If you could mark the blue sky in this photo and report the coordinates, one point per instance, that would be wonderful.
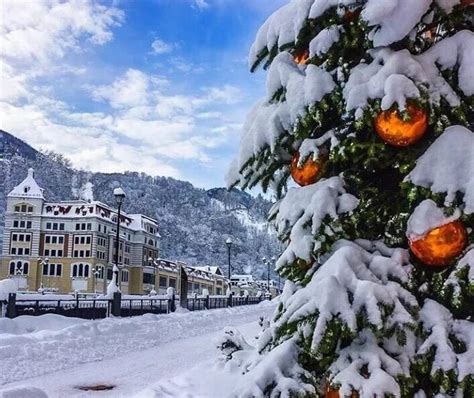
(158, 86)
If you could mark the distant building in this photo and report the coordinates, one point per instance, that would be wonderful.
(168, 274)
(77, 237)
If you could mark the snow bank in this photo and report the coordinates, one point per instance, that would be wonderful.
(26, 324)
(7, 286)
(446, 167)
(33, 346)
(23, 392)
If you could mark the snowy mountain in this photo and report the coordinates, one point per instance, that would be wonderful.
(194, 223)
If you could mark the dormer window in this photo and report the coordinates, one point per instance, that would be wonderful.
(26, 189)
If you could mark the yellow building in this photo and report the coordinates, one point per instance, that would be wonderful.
(70, 246)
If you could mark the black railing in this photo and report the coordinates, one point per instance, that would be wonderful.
(89, 308)
(84, 308)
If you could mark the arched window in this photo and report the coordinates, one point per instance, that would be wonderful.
(19, 268)
(80, 270)
(125, 276)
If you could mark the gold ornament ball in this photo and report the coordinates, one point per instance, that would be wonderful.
(391, 128)
(309, 172)
(440, 245)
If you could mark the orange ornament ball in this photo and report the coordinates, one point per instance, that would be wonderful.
(309, 172)
(351, 14)
(390, 126)
(333, 393)
(440, 245)
(301, 57)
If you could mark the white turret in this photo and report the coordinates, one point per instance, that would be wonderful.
(28, 188)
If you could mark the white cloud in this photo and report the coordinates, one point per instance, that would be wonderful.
(144, 124)
(130, 90)
(201, 4)
(161, 47)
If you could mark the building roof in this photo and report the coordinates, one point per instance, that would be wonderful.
(28, 188)
(212, 269)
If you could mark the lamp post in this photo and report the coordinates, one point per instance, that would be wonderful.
(119, 198)
(267, 263)
(279, 277)
(228, 242)
(96, 273)
(152, 263)
(43, 262)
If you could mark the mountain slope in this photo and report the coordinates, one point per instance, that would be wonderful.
(194, 223)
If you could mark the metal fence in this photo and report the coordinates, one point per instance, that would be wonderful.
(89, 308)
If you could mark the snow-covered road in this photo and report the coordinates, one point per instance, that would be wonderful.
(141, 356)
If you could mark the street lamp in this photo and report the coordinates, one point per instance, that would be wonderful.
(279, 276)
(267, 262)
(96, 273)
(44, 263)
(152, 263)
(119, 198)
(228, 242)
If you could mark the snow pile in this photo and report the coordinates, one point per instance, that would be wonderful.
(395, 76)
(7, 286)
(23, 392)
(363, 283)
(324, 40)
(446, 168)
(269, 120)
(439, 323)
(392, 20)
(453, 278)
(54, 342)
(26, 324)
(303, 209)
(426, 217)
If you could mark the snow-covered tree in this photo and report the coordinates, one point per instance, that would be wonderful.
(369, 109)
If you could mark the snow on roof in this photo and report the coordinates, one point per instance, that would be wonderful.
(28, 188)
(212, 269)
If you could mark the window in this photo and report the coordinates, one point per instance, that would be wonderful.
(48, 225)
(78, 227)
(98, 272)
(15, 224)
(109, 274)
(148, 278)
(125, 276)
(28, 224)
(163, 281)
(172, 282)
(80, 270)
(19, 268)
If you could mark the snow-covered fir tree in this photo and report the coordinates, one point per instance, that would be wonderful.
(369, 109)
